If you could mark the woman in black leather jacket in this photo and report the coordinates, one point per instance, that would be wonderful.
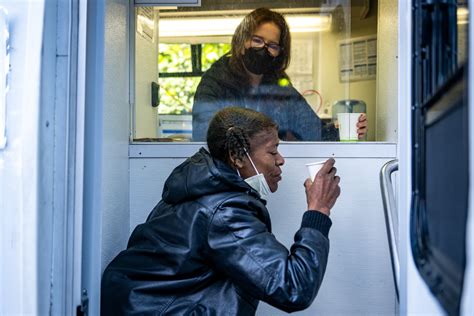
(207, 247)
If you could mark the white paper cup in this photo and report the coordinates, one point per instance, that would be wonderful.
(348, 126)
(313, 168)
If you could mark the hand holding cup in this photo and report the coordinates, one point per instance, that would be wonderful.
(323, 191)
(352, 126)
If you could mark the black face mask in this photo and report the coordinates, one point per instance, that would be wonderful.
(260, 62)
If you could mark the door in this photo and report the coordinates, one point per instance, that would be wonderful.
(438, 154)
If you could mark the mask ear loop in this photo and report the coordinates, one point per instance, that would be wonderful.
(255, 168)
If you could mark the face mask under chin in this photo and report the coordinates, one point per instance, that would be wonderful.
(259, 61)
(258, 181)
(259, 184)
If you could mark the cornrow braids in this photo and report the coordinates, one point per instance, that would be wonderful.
(237, 142)
(231, 130)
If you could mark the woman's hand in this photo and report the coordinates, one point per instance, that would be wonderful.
(321, 195)
(362, 126)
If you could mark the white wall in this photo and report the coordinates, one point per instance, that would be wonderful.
(146, 71)
(107, 121)
(359, 279)
(19, 218)
(115, 194)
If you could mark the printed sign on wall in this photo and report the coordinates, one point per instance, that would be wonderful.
(146, 23)
(358, 59)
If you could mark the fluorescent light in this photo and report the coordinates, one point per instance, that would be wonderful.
(218, 26)
(309, 23)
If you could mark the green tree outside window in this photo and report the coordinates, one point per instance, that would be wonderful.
(180, 70)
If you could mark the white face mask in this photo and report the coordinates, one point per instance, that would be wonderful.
(258, 182)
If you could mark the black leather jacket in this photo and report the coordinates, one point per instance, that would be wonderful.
(207, 249)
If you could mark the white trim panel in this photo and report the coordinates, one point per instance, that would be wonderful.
(288, 150)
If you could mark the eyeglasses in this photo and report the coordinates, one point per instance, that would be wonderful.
(272, 48)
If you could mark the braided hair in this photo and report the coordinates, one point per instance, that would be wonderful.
(232, 128)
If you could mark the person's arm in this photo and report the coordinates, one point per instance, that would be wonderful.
(207, 101)
(242, 248)
(306, 124)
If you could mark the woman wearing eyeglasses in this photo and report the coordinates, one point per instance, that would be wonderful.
(252, 75)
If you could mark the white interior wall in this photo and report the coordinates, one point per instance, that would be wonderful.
(387, 72)
(107, 121)
(116, 119)
(359, 279)
(146, 71)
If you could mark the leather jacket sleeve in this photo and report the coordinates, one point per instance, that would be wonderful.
(242, 247)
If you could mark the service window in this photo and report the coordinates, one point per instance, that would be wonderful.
(331, 75)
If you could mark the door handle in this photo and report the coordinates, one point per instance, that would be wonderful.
(390, 209)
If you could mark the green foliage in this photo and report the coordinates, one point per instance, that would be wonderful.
(174, 58)
(177, 93)
(212, 52)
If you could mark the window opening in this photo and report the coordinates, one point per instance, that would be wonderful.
(181, 67)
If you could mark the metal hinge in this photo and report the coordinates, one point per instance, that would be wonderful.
(83, 309)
